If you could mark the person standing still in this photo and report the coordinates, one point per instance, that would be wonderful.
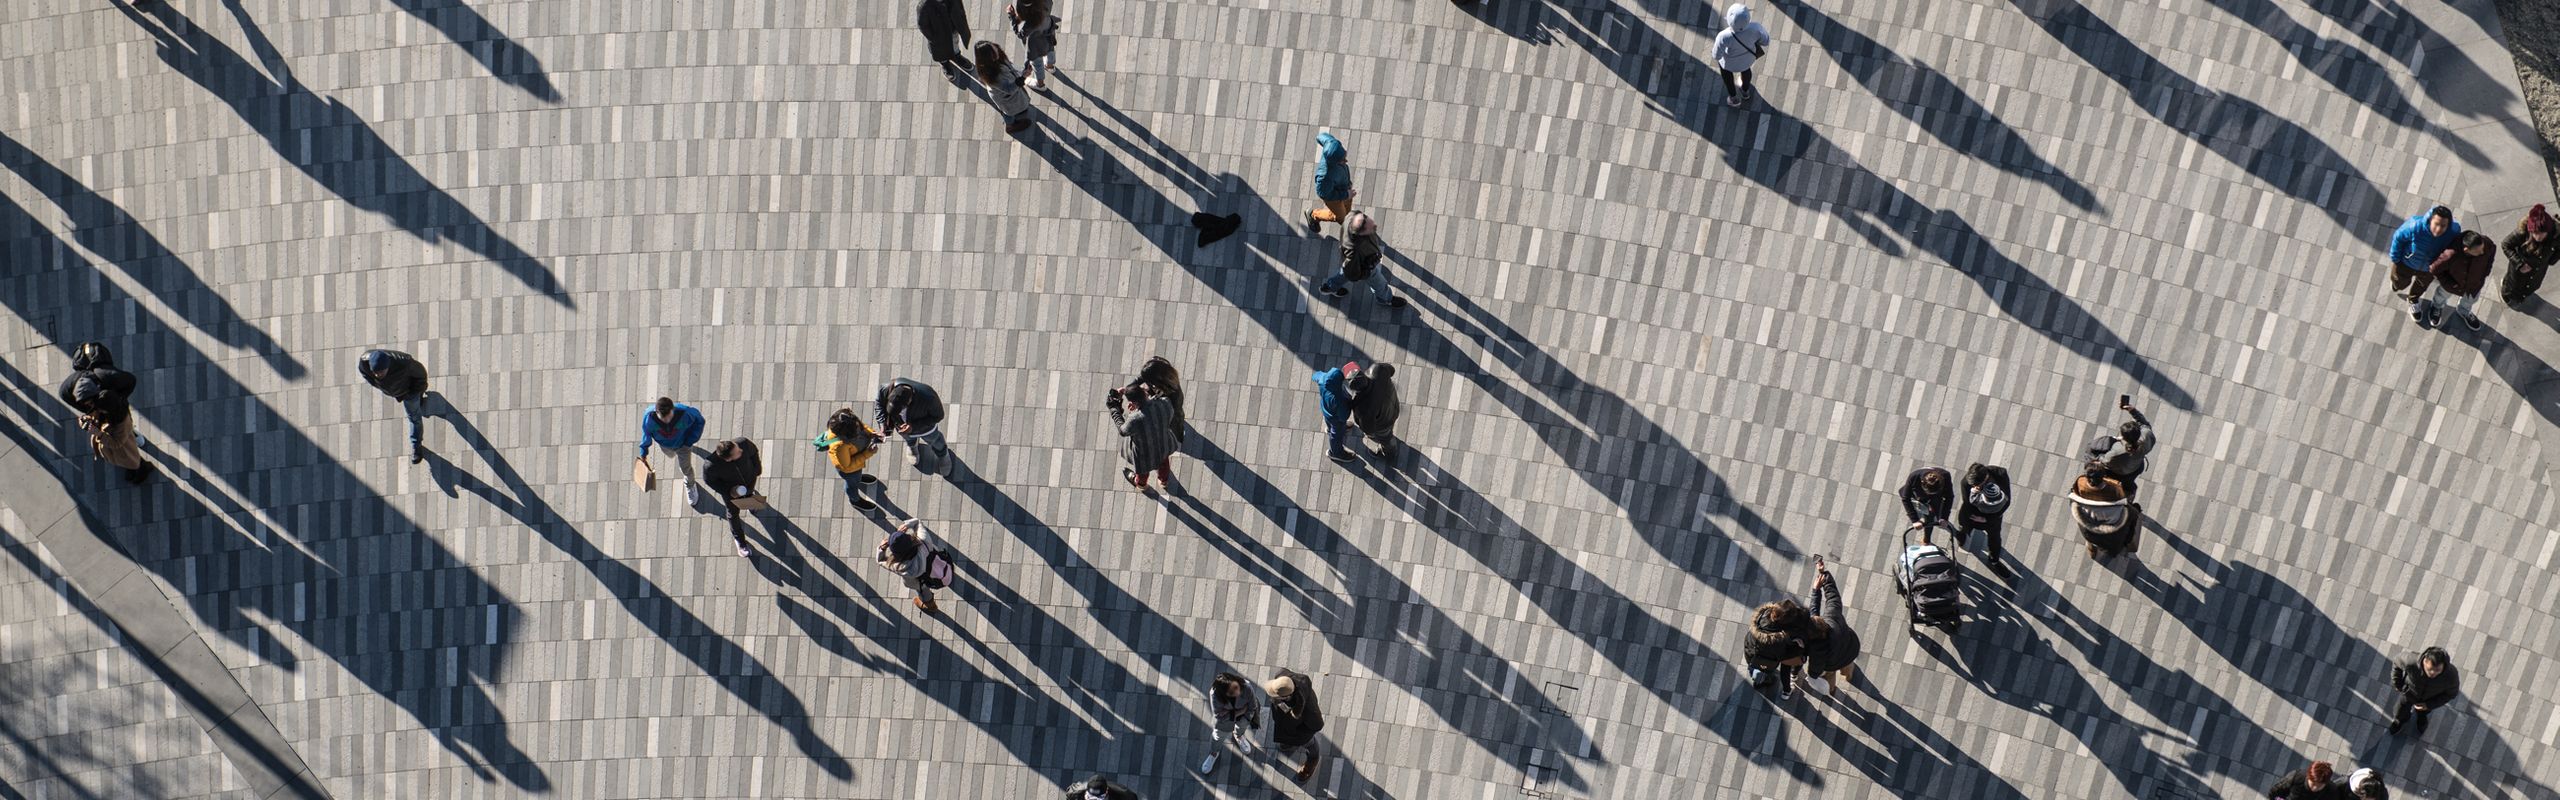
(2316, 782)
(1147, 434)
(1333, 182)
(2126, 454)
(2414, 247)
(945, 24)
(1037, 26)
(2460, 271)
(1100, 788)
(849, 444)
(913, 411)
(1830, 647)
(400, 376)
(2425, 681)
(1375, 408)
(1167, 381)
(1985, 507)
(1333, 400)
(1004, 87)
(1736, 49)
(911, 552)
(1774, 647)
(1928, 496)
(1361, 263)
(103, 395)
(1296, 718)
(2532, 251)
(1234, 715)
(676, 427)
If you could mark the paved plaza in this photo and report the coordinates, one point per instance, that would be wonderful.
(1659, 353)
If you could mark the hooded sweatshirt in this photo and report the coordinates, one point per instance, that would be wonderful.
(2413, 248)
(1333, 394)
(1742, 41)
(2410, 677)
(1333, 171)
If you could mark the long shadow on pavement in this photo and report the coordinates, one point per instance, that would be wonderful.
(506, 59)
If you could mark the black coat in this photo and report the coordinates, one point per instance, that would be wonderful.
(1374, 406)
(1295, 719)
(922, 411)
(1110, 791)
(1841, 648)
(109, 404)
(1767, 647)
(2412, 682)
(1922, 504)
(724, 477)
(406, 378)
(941, 20)
(2297, 786)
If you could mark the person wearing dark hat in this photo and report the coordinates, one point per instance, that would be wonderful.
(1100, 788)
(2532, 251)
(102, 394)
(400, 376)
(1296, 718)
(1374, 407)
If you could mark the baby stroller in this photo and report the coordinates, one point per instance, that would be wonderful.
(1928, 580)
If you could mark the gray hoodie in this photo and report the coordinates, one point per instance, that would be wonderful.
(1742, 41)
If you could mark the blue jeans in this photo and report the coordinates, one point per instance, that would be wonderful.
(854, 487)
(1376, 283)
(415, 406)
(1335, 429)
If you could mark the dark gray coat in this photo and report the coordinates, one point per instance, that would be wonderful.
(1374, 406)
(1824, 655)
(1147, 434)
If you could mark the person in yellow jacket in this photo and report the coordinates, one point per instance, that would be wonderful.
(849, 443)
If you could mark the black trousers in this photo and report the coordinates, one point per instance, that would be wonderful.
(2405, 714)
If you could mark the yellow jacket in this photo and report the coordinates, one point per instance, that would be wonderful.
(848, 456)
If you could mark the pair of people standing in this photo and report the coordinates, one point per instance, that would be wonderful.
(1296, 718)
(2438, 264)
(103, 395)
(1350, 397)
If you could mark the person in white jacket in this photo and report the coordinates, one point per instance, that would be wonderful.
(1737, 48)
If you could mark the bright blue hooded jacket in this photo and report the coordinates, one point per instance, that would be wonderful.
(686, 430)
(1333, 174)
(2413, 247)
(1333, 394)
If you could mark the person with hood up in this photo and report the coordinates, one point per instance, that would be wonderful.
(1830, 646)
(1333, 400)
(1737, 48)
(676, 427)
(2425, 681)
(1362, 258)
(912, 410)
(102, 394)
(1774, 646)
(2532, 251)
(1375, 408)
(945, 24)
(2414, 248)
(2461, 271)
(1147, 424)
(400, 376)
(1333, 182)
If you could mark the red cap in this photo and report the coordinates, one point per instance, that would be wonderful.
(1351, 366)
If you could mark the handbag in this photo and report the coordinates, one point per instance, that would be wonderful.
(753, 502)
(642, 476)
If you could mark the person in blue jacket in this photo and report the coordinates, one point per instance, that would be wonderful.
(1333, 182)
(2414, 248)
(1333, 397)
(676, 427)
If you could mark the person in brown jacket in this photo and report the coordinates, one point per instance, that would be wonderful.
(2460, 271)
(2532, 251)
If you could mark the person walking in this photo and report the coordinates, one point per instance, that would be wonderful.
(911, 552)
(1362, 258)
(1333, 399)
(1830, 646)
(2532, 251)
(1333, 182)
(2460, 271)
(2425, 681)
(1741, 44)
(1928, 496)
(2128, 452)
(1375, 408)
(2414, 247)
(2366, 784)
(913, 411)
(945, 24)
(676, 427)
(2316, 782)
(1037, 26)
(1100, 788)
(849, 445)
(103, 395)
(735, 466)
(1004, 87)
(1296, 718)
(1234, 714)
(1984, 505)
(1147, 425)
(1774, 646)
(402, 378)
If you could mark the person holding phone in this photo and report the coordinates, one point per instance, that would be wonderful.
(2128, 452)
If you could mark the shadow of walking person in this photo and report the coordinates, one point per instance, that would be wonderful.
(506, 59)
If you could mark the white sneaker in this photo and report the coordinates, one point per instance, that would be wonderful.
(692, 495)
(1820, 686)
(1208, 762)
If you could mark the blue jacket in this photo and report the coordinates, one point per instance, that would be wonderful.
(2412, 247)
(1333, 394)
(1333, 174)
(686, 430)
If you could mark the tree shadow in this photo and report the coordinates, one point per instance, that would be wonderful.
(2349, 70)
(328, 142)
(1928, 99)
(231, 583)
(103, 228)
(505, 59)
(2447, 75)
(1792, 159)
(2271, 148)
(736, 671)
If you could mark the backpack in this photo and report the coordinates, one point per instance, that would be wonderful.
(937, 570)
(1934, 583)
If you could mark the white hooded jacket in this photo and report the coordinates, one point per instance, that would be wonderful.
(1742, 41)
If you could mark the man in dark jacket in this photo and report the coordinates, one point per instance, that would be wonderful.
(102, 394)
(1100, 788)
(1928, 496)
(2317, 782)
(1363, 257)
(945, 24)
(2128, 452)
(400, 376)
(2425, 680)
(1374, 407)
(1296, 717)
(913, 411)
(2461, 271)
(735, 466)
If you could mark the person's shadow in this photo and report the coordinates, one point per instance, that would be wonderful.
(505, 58)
